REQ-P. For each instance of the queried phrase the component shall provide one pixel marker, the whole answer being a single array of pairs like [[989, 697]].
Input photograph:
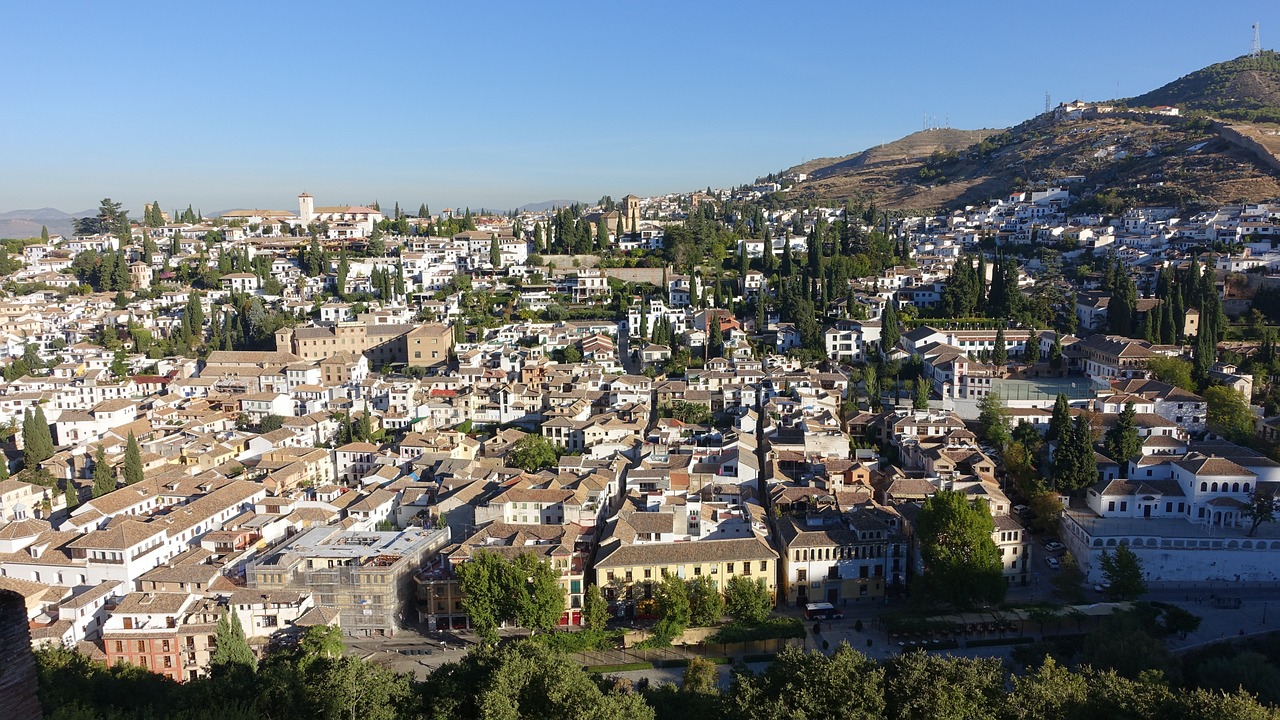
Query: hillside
[[27, 223], [1150, 159], [917, 145], [1246, 88]]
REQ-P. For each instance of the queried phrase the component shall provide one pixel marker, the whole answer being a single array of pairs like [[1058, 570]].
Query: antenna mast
[[1046, 101], [1256, 49]]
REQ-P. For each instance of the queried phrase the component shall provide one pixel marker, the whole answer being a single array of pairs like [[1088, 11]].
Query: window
[[1111, 506], [1123, 506], [697, 569], [728, 568], [764, 565]]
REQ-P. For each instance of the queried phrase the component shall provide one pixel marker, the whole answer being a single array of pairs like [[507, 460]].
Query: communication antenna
[[1046, 101], [1256, 49], [924, 121]]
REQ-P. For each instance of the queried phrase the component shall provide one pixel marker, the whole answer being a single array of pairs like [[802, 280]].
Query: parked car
[[1102, 586], [1052, 562], [1054, 546], [1022, 509]]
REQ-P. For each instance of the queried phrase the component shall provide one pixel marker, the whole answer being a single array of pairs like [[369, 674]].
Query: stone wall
[[18, 699]]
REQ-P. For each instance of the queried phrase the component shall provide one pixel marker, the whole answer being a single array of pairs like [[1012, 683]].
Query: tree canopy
[[962, 564]]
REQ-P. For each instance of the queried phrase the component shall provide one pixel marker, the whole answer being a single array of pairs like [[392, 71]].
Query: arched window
[[1246, 487], [1235, 487], [1204, 486], [1214, 487]]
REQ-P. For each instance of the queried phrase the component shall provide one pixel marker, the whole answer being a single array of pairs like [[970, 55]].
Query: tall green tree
[[231, 651], [672, 599], [1075, 465], [1000, 353], [104, 476], [747, 599], [539, 595], [132, 461], [1060, 421], [920, 398], [483, 599], [706, 606], [962, 563], [1055, 352], [37, 440], [1228, 414], [595, 609], [891, 327], [993, 416], [1123, 573], [1031, 353], [1122, 442]]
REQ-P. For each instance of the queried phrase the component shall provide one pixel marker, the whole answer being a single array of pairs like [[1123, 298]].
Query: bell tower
[[306, 208]]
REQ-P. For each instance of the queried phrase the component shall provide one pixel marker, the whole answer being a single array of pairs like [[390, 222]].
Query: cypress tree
[[37, 441], [132, 461], [1055, 352], [891, 329], [1122, 441], [44, 233], [999, 354], [104, 477], [1061, 419], [73, 497], [232, 648], [1031, 354]]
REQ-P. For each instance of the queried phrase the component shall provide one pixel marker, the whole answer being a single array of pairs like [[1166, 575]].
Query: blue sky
[[497, 104]]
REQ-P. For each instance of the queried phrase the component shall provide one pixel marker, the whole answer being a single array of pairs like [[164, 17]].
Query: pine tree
[[132, 461], [423, 212], [104, 477]]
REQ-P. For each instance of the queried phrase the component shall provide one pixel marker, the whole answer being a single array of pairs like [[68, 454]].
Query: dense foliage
[[529, 680]]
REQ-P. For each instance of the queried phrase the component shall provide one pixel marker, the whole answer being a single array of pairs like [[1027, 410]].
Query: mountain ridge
[[1120, 147]]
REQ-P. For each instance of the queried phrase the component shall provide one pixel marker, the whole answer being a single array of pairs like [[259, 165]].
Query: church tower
[[631, 214], [306, 208]]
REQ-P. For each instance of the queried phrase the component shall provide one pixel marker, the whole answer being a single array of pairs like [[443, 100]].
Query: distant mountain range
[[27, 223], [1143, 157], [548, 205]]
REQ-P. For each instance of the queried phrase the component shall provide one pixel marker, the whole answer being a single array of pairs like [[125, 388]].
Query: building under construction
[[367, 576]]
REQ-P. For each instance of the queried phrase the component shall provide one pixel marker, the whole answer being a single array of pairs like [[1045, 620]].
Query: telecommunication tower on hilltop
[[1256, 49]]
